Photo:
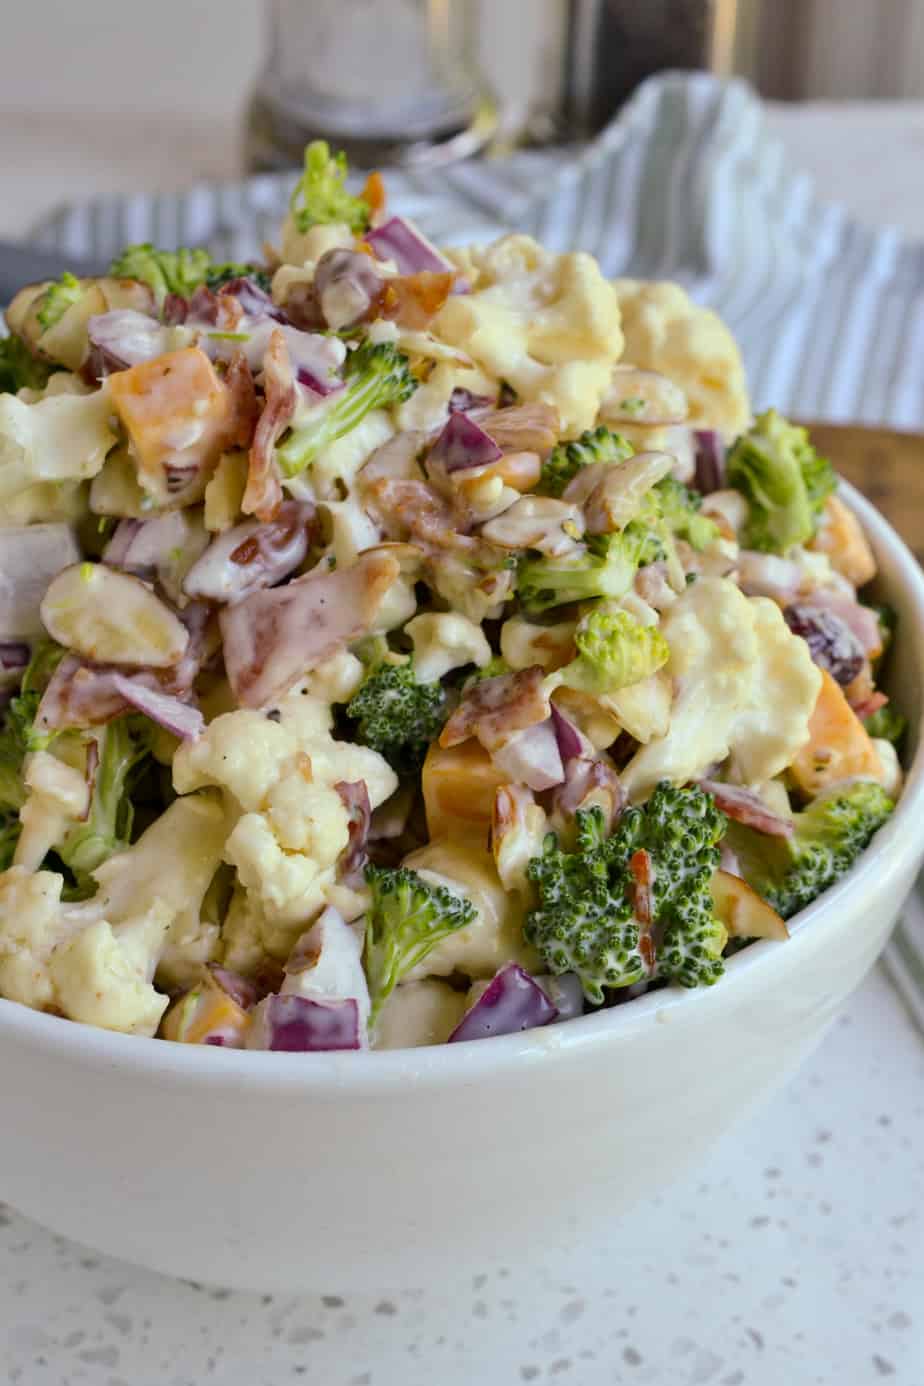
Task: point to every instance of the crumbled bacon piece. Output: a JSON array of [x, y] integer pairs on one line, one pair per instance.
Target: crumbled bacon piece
[[263, 493], [494, 709]]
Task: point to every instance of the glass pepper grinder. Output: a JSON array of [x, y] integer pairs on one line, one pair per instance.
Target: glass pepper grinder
[[388, 81]]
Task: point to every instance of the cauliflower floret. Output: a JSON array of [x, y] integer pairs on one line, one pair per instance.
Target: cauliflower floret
[[145, 916], [744, 686], [548, 324], [524, 643], [337, 679], [308, 817], [288, 885], [58, 796], [103, 976], [30, 926], [242, 752], [666, 331], [62, 438], [445, 641], [291, 826]]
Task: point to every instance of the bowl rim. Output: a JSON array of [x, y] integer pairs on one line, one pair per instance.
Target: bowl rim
[[380, 1072]]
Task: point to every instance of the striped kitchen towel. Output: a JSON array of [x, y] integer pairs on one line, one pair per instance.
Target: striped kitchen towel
[[684, 184]]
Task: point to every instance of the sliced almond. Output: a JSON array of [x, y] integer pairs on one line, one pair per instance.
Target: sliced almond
[[111, 618], [743, 912]]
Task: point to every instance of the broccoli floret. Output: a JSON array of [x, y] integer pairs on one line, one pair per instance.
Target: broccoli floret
[[566, 460], [227, 272], [18, 737], [785, 481], [396, 715], [492, 670], [123, 746], [604, 566], [829, 836], [613, 651], [585, 921], [680, 511], [407, 916], [164, 271], [886, 723], [320, 194], [56, 300], [377, 376], [19, 369]]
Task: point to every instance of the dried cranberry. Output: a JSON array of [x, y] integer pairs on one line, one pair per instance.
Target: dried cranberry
[[832, 644]]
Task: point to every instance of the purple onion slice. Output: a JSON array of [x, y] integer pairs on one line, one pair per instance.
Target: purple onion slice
[[297, 1025], [399, 240], [512, 1001]]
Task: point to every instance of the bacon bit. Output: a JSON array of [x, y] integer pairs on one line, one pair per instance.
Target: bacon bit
[[355, 799], [245, 410], [375, 197], [263, 493], [746, 807], [413, 300], [494, 709], [413, 508], [278, 634], [643, 904], [872, 704]]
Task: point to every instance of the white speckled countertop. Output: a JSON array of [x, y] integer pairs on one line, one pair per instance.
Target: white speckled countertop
[[795, 1258]]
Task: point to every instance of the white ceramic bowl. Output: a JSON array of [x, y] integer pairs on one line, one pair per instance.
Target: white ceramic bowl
[[287, 1172]]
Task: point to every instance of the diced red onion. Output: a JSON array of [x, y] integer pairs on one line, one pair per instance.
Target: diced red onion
[[462, 444], [256, 302], [565, 993], [124, 337], [746, 807], [182, 719], [400, 240], [241, 989], [297, 1025], [570, 741], [710, 460], [532, 757], [512, 1001], [14, 655], [861, 620], [251, 555], [462, 400]]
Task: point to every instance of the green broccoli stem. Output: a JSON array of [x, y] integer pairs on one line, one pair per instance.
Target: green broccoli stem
[[331, 422]]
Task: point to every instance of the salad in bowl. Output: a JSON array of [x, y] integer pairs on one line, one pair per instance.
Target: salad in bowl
[[403, 646]]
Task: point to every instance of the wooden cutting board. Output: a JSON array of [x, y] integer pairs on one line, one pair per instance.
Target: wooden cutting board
[[888, 467]]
